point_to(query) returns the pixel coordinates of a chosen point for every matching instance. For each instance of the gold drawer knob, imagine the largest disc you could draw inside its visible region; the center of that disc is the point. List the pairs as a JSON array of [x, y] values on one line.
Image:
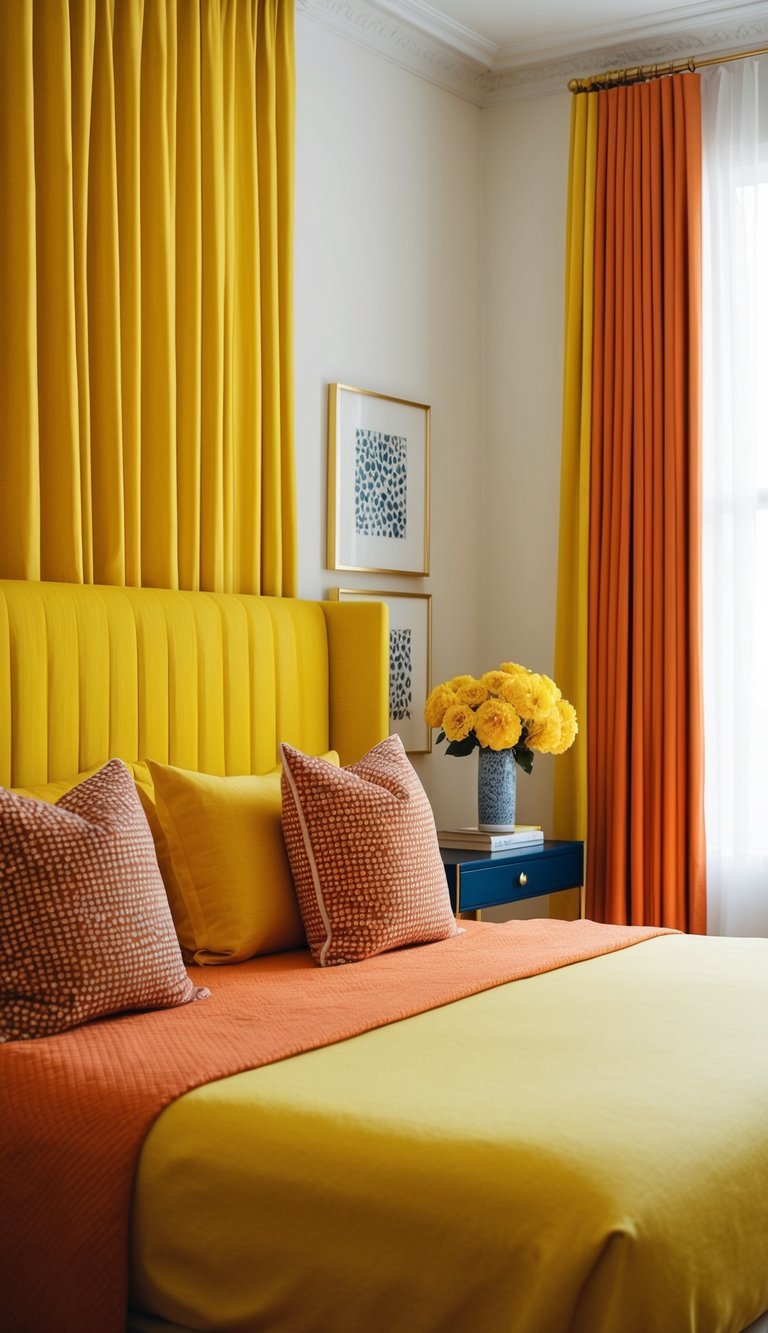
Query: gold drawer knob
[[522, 879]]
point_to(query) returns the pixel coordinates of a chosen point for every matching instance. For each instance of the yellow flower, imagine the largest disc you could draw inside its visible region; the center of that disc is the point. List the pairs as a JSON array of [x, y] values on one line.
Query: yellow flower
[[514, 688], [499, 706], [458, 721], [568, 726], [497, 725], [457, 681], [545, 736], [493, 681], [540, 697], [556, 688], [472, 693], [441, 698]]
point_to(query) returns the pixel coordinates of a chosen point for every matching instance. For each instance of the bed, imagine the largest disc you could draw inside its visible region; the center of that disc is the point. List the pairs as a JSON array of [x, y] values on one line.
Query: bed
[[533, 1127]]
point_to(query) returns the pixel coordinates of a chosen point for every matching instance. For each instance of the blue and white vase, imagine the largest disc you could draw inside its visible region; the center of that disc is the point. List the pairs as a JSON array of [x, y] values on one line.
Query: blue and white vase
[[496, 790]]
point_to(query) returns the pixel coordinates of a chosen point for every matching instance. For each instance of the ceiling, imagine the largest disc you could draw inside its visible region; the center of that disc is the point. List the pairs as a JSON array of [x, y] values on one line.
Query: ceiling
[[512, 23], [494, 50]]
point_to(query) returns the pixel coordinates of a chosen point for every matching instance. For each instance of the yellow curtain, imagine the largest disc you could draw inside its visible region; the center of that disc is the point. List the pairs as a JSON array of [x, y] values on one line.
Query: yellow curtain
[[570, 812], [146, 397]]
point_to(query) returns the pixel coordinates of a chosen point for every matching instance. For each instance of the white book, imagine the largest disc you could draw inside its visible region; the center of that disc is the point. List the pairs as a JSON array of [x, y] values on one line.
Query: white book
[[475, 839]]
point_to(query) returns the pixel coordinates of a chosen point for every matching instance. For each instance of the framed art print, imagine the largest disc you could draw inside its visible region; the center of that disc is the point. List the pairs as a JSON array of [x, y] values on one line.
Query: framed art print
[[378, 482], [410, 661]]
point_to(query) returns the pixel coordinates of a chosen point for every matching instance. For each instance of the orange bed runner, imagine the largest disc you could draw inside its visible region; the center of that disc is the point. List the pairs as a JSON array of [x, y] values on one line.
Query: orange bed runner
[[76, 1108]]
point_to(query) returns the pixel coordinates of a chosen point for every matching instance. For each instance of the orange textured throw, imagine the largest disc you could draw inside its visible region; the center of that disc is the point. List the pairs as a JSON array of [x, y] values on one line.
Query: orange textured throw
[[75, 1108]]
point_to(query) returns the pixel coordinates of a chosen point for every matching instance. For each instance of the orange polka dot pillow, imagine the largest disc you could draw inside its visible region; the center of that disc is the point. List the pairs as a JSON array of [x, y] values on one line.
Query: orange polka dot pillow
[[86, 926], [364, 856]]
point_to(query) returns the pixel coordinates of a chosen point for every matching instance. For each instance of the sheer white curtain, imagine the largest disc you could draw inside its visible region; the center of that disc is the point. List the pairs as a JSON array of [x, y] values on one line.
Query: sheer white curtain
[[735, 555]]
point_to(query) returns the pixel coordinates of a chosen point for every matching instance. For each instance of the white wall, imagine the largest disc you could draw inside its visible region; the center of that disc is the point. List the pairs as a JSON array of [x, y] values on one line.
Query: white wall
[[525, 175], [430, 243], [388, 297]]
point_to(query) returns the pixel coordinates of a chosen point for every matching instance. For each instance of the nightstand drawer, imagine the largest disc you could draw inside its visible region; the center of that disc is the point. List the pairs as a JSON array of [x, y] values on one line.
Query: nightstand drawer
[[476, 881]]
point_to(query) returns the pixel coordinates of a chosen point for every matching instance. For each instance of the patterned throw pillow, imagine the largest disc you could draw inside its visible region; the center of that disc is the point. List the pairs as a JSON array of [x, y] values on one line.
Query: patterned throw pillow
[[364, 856], [86, 927]]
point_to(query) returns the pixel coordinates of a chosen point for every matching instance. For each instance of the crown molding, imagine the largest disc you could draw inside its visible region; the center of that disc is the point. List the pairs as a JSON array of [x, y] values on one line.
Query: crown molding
[[671, 41], [442, 29], [675, 19], [377, 27], [410, 33]]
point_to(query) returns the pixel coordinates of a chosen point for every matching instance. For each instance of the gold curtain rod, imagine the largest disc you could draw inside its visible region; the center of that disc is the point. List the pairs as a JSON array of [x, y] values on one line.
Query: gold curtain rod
[[620, 78]]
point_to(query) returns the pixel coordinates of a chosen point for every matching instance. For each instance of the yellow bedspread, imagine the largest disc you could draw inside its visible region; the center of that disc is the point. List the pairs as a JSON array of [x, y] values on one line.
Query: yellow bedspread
[[584, 1150]]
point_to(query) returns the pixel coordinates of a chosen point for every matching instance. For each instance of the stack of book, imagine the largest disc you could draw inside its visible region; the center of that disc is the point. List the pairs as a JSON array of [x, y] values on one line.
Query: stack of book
[[478, 840]]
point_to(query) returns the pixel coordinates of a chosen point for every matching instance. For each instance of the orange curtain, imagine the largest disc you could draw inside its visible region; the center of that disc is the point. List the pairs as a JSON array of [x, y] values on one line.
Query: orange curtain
[[644, 714]]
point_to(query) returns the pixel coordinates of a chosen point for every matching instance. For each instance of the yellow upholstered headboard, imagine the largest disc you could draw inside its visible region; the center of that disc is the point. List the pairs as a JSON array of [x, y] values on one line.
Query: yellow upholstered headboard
[[205, 681]]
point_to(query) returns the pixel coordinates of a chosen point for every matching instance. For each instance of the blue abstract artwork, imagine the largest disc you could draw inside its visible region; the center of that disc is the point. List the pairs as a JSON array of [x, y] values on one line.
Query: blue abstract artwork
[[381, 477], [400, 675]]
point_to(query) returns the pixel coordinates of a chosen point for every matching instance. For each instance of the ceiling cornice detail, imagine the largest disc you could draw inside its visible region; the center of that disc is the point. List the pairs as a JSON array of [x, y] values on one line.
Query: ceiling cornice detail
[[411, 34], [434, 58]]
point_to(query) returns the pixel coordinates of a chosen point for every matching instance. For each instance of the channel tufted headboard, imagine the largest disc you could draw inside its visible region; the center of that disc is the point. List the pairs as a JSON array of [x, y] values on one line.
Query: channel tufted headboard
[[204, 681]]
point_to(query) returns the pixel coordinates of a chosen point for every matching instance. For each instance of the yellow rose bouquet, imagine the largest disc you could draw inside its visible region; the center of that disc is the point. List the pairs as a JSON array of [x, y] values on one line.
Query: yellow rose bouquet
[[511, 708]]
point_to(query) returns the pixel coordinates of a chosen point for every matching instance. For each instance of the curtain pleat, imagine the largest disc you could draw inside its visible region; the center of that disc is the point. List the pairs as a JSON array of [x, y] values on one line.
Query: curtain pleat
[[212, 404], [146, 418], [52, 235], [159, 513], [99, 205], [570, 809], [245, 300], [285, 114], [19, 481], [189, 294], [644, 705], [128, 25], [275, 124], [79, 539]]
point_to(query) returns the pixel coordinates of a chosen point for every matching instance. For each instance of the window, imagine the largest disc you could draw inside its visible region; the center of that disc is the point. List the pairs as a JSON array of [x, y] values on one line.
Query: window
[[735, 515]]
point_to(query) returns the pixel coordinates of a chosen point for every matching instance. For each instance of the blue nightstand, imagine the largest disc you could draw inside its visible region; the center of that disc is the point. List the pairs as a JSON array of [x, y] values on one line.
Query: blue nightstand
[[479, 879]]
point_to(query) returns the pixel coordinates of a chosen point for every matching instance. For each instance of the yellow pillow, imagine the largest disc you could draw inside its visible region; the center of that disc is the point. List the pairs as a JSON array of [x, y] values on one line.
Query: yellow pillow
[[52, 791], [226, 870]]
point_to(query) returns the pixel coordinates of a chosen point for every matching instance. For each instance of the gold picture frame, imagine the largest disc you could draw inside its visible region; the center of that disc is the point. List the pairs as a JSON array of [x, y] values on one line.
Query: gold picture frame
[[410, 658], [378, 482]]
